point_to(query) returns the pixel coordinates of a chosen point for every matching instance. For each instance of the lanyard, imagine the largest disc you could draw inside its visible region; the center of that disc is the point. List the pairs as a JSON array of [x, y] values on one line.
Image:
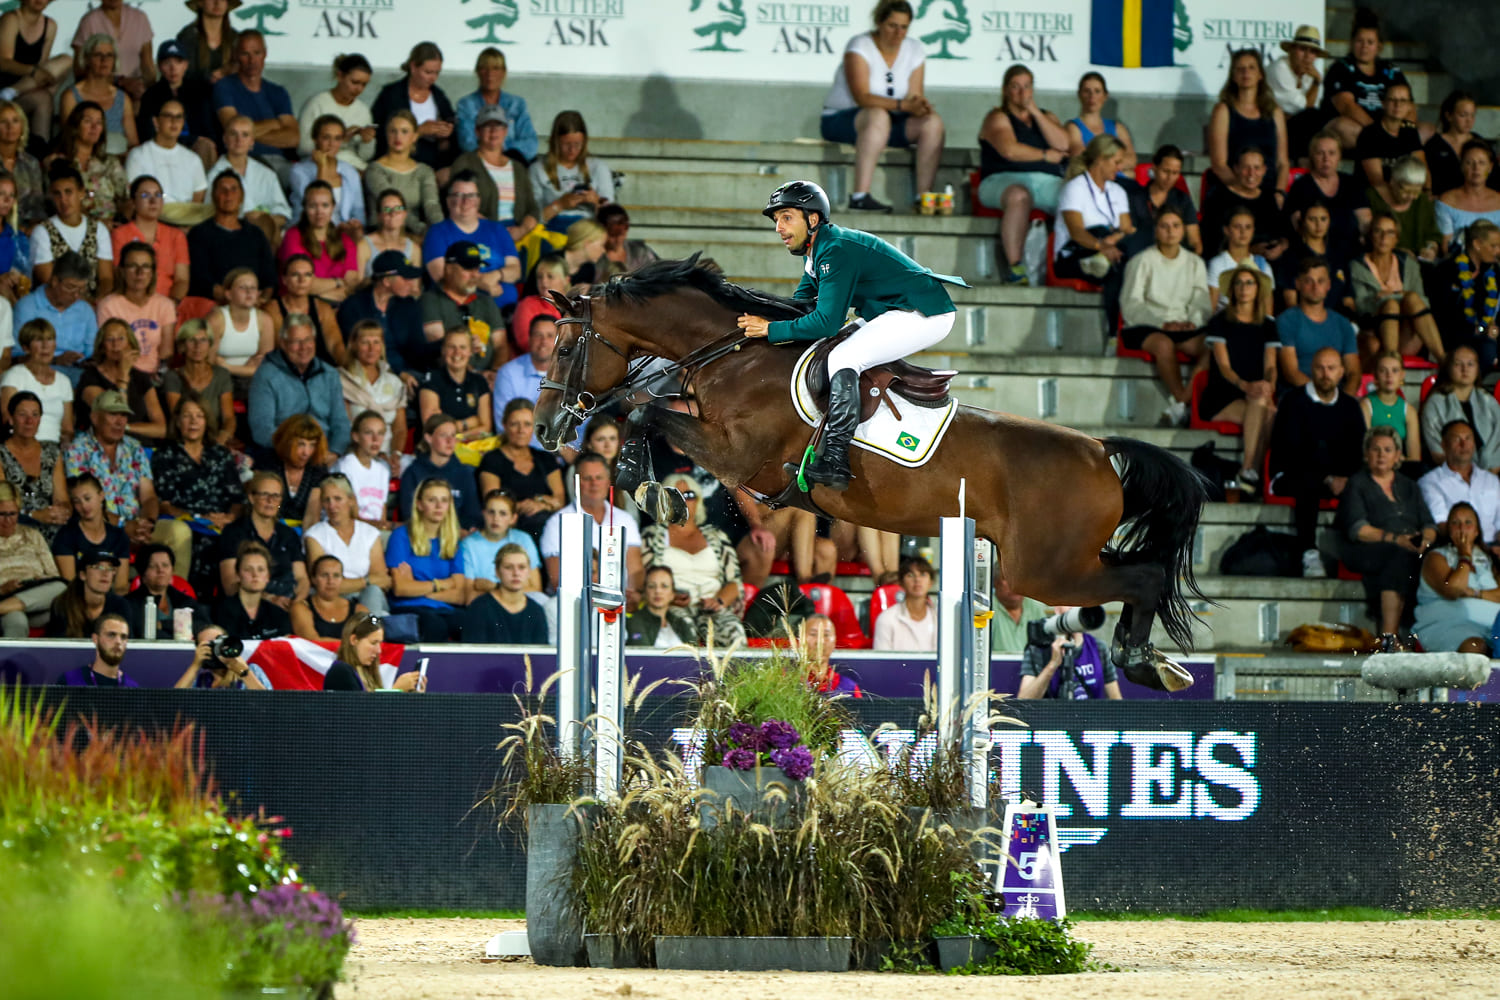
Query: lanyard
[[1108, 211]]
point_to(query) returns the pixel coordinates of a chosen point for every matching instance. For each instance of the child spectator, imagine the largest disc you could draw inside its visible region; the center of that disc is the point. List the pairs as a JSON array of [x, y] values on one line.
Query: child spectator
[[481, 549], [367, 470], [1385, 406]]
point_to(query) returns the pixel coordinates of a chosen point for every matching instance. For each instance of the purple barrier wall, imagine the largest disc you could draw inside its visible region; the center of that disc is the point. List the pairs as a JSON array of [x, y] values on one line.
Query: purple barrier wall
[[471, 669]]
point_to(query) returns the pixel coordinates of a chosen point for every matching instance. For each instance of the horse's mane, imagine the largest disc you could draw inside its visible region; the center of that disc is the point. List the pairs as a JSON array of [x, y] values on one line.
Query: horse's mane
[[664, 276]]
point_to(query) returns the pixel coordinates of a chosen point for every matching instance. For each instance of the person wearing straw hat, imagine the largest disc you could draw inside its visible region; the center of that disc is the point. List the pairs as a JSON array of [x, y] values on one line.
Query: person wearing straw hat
[[1296, 81]]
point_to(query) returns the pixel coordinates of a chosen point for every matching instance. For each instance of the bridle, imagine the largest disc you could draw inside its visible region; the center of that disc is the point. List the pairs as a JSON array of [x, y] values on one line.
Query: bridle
[[641, 373]]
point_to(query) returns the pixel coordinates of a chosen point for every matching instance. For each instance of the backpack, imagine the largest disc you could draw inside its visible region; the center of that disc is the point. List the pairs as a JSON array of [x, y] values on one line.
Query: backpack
[[1262, 552]]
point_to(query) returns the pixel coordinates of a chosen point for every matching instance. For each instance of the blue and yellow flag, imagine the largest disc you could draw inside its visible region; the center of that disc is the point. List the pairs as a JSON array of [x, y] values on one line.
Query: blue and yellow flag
[[1131, 33]]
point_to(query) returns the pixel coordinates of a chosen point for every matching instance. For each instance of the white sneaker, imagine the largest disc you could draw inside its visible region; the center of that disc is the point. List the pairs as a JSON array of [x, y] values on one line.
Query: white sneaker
[[1175, 415], [1096, 266], [1312, 565]]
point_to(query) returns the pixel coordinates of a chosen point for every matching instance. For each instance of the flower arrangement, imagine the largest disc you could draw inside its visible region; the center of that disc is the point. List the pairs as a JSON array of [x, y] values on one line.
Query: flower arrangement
[[773, 742], [283, 935]]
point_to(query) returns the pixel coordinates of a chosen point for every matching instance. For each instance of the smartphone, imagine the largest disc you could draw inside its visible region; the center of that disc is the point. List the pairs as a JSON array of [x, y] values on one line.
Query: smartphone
[[422, 672], [580, 186]]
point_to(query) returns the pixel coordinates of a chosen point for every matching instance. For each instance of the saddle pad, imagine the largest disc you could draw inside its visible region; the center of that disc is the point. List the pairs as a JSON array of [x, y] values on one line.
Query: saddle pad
[[910, 441]]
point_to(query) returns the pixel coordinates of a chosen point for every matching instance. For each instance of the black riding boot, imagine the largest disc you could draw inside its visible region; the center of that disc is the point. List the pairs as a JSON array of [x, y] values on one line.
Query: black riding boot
[[830, 467], [633, 465]]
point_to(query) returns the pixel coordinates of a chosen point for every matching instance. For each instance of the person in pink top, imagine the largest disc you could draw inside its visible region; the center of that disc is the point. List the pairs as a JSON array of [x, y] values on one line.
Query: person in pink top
[[169, 242], [334, 256], [151, 315], [551, 274], [135, 68]]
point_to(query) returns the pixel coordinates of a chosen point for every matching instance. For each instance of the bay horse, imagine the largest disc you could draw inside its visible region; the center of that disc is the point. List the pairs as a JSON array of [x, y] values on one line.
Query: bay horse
[[1048, 497]]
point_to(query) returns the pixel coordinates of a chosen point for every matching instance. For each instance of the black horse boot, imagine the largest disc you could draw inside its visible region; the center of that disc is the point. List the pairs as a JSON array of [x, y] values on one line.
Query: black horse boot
[[830, 467], [633, 465]]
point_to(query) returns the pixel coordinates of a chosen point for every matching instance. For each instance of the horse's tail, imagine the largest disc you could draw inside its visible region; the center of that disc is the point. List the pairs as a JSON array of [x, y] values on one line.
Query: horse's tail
[[1164, 498]]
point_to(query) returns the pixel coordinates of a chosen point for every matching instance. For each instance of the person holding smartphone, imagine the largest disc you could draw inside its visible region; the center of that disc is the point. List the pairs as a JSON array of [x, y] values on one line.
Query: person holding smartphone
[[358, 665], [418, 93]]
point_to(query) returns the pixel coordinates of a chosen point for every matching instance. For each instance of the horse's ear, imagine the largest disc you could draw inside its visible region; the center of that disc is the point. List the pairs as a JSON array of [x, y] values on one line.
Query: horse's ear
[[563, 303]]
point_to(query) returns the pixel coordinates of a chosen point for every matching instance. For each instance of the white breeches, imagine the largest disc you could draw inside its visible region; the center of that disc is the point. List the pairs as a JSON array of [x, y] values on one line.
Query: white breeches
[[889, 337]]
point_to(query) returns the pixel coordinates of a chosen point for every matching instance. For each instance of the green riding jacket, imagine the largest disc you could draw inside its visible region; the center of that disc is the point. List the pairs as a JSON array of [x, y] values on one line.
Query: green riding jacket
[[850, 268]]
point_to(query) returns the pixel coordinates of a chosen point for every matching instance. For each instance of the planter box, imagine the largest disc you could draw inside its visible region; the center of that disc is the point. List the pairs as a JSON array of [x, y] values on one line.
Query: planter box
[[955, 952], [610, 951], [869, 956], [554, 922], [754, 954], [747, 790]]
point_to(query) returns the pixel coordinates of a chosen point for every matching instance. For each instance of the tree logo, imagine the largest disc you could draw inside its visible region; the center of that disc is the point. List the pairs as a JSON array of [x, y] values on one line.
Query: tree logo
[[941, 22], [274, 9], [503, 15], [1182, 27], [727, 17]]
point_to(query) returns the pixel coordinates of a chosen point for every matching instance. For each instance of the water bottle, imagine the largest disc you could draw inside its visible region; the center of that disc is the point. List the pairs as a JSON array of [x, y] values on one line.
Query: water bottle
[[150, 628]]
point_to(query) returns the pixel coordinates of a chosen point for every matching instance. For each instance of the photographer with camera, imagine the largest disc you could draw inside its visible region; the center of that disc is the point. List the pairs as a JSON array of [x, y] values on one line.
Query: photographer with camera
[[218, 664], [1062, 661]]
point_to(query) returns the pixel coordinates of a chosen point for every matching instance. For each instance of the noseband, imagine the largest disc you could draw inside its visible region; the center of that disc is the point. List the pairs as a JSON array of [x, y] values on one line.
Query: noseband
[[580, 403]]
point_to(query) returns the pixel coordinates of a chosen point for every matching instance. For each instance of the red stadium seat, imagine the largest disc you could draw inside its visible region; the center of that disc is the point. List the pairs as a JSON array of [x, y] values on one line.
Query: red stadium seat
[[1145, 171], [833, 602], [1418, 363], [781, 568], [1345, 573], [1293, 174], [885, 597], [749, 590], [194, 307], [177, 581], [1366, 383], [1121, 351], [1053, 281], [1428, 383], [1196, 420]]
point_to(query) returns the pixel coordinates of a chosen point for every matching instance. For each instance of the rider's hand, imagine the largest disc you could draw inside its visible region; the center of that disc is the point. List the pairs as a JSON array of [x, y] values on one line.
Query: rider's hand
[[754, 326]]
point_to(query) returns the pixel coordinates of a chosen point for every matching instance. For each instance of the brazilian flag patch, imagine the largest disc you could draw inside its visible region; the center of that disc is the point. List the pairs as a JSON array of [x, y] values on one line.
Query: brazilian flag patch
[[908, 441]]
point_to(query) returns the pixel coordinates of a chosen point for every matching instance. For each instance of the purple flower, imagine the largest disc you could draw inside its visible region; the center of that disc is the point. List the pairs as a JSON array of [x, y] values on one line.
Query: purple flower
[[741, 759], [797, 762], [743, 734], [779, 735]]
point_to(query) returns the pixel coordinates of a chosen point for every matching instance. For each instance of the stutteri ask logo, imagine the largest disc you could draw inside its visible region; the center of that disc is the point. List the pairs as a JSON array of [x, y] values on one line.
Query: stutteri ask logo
[[941, 22], [1182, 27], [726, 17], [502, 14], [908, 441], [258, 12]]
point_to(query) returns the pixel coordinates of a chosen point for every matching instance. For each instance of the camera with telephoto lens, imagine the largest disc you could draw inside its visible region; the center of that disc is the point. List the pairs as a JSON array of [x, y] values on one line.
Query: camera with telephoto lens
[[225, 647], [1071, 622]]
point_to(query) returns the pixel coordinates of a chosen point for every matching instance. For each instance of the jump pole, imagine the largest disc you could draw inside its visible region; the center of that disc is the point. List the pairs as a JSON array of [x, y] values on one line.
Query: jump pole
[[591, 646], [964, 596]]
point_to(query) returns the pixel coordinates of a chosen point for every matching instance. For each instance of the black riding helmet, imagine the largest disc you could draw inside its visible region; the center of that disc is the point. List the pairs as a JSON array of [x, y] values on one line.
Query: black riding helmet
[[804, 195], [798, 194]]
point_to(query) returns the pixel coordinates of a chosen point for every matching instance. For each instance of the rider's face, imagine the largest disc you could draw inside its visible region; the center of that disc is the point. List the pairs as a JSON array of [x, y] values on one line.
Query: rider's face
[[791, 226]]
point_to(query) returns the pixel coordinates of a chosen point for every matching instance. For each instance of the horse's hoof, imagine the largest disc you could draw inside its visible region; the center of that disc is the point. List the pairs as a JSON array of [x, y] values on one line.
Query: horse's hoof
[[665, 505], [1149, 667], [1173, 675]]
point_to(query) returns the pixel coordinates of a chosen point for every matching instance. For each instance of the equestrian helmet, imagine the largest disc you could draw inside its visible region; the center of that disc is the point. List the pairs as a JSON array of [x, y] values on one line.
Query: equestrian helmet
[[799, 194]]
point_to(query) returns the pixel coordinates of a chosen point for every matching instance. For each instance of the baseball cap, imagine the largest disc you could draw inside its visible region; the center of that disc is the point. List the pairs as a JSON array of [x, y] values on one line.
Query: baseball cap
[[494, 114], [93, 557], [463, 253], [390, 263], [170, 49], [111, 401]]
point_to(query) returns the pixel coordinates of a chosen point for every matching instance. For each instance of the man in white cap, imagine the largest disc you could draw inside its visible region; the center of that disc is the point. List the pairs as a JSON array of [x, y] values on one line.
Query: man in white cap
[[1296, 81]]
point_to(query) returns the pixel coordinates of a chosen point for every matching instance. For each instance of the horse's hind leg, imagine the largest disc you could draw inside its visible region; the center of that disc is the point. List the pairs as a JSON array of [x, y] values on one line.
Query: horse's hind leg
[[1132, 651]]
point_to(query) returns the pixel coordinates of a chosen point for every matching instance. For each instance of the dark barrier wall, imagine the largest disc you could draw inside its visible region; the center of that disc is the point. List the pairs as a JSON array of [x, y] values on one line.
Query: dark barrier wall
[[1164, 806]]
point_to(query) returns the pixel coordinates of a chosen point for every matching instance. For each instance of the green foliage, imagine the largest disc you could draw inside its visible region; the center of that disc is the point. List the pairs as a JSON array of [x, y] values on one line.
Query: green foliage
[[757, 689], [855, 863], [1031, 948], [535, 772]]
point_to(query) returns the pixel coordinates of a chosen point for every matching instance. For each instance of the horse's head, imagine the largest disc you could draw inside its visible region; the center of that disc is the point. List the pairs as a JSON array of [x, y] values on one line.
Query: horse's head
[[591, 358]]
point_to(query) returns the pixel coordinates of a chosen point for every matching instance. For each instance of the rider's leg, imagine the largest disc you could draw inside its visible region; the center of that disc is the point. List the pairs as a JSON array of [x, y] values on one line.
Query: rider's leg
[[885, 338]]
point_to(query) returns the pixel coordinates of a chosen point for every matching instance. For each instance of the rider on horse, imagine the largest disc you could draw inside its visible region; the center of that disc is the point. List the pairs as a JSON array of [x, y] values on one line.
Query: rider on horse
[[905, 306]]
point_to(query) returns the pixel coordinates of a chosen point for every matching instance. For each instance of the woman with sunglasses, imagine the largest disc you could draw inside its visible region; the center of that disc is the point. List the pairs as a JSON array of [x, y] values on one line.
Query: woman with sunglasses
[[388, 232], [355, 543], [358, 665], [703, 563], [878, 100]]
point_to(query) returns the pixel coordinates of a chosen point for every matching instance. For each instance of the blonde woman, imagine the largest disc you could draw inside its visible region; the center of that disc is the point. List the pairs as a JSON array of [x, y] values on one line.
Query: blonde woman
[[242, 333], [29, 581], [112, 367], [703, 563], [1094, 211], [569, 183], [356, 543], [549, 275], [418, 95], [369, 384], [586, 239], [358, 665], [398, 169], [426, 568], [98, 59]]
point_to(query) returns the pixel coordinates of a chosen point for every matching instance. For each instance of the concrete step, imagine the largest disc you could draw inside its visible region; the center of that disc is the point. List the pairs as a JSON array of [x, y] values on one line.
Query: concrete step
[[985, 338], [1119, 401]]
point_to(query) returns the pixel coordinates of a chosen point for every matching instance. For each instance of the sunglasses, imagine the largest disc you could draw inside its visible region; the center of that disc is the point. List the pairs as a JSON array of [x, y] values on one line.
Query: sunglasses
[[890, 84]]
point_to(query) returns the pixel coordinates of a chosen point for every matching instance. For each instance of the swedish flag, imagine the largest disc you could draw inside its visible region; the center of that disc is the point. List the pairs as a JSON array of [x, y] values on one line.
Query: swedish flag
[[1131, 33]]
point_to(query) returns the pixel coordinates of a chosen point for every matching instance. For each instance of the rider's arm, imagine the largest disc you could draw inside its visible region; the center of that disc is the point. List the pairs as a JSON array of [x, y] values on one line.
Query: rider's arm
[[834, 292]]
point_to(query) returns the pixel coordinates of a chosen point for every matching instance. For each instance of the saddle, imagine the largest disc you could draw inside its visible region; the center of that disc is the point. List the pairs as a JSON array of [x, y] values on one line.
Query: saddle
[[913, 383]]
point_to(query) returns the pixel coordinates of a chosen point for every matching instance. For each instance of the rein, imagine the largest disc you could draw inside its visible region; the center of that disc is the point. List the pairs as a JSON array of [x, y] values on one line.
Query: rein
[[641, 373]]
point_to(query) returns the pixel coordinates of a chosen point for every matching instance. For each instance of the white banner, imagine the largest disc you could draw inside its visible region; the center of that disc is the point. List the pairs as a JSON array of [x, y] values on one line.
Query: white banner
[[969, 44]]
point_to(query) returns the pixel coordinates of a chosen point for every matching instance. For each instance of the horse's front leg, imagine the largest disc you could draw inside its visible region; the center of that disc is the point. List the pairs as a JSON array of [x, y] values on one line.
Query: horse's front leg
[[693, 438], [633, 465]]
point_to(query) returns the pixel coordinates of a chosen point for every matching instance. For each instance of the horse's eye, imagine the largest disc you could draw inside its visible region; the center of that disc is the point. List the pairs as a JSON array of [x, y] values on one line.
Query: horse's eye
[[563, 352]]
